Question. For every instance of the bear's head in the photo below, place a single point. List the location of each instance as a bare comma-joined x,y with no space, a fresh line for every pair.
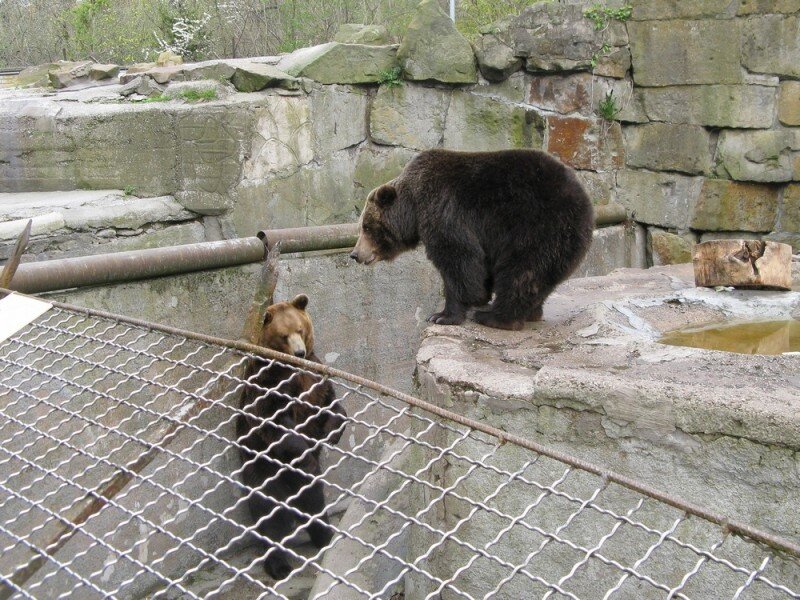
288,329
388,226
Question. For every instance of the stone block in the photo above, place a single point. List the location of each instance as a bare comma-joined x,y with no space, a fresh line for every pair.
329,191
409,115
685,52
99,72
756,7
257,76
477,123
43,159
340,63
789,215
124,212
599,186
677,9
668,248
582,93
771,44
433,49
663,199
586,143
611,249
217,70
496,58
668,147
558,37
740,106
338,118
358,33
731,206
168,58
282,139
68,72
514,89
766,156
213,142
789,103
35,76
125,146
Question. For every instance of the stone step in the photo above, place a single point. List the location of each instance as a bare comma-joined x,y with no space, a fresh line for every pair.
80,222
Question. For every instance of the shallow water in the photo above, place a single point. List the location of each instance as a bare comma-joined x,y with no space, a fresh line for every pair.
753,337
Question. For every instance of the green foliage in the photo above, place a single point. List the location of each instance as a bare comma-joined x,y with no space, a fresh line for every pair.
474,15
195,95
391,77
601,15
129,190
604,49
608,108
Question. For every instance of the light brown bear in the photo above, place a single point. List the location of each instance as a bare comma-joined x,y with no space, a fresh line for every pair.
290,409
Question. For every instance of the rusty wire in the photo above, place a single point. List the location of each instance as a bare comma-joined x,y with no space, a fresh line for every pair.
120,476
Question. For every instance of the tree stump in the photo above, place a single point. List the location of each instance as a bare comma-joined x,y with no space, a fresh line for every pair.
751,264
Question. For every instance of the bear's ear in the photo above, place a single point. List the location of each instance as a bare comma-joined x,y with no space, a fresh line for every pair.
300,301
385,195
268,318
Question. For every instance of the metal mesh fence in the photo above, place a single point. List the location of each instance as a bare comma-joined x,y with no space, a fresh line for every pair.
121,475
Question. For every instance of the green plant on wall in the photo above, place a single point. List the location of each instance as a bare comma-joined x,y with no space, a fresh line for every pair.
601,15
390,77
608,107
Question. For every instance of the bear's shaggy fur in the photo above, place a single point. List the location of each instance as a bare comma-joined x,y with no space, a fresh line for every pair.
281,426
514,223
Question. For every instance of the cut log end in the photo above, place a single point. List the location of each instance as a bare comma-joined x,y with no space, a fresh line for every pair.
749,264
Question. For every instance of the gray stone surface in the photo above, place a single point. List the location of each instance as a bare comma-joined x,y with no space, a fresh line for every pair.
590,380
582,93
496,56
433,49
409,115
340,63
771,44
732,206
257,76
668,147
644,10
482,123
740,106
358,33
338,118
767,156
669,248
789,103
557,37
684,52
662,199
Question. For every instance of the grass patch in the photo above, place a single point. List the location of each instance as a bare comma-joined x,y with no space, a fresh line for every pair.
195,95
601,14
391,77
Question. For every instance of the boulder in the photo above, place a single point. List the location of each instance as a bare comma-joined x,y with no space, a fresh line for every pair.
213,69
767,156
358,33
558,37
668,248
99,72
67,73
36,76
433,49
340,63
169,58
496,58
256,76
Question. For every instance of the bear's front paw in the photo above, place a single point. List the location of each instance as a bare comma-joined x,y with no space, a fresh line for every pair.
446,318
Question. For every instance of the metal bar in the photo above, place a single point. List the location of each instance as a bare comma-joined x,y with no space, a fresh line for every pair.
13,263
65,273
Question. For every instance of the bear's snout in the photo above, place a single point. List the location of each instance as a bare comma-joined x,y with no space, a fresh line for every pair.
354,255
300,353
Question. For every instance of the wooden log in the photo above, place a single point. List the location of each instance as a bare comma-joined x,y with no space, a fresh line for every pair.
750,264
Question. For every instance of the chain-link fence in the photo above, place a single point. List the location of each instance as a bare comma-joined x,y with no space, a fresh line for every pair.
121,475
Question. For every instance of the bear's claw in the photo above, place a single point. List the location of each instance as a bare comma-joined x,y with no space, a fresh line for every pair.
444,318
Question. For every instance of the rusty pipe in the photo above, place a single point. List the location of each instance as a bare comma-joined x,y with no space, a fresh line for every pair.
102,269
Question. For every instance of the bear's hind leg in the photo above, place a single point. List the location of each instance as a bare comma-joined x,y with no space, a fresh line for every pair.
276,528
466,280
312,502
519,298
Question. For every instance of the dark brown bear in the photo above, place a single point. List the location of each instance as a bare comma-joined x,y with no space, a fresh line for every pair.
286,428
514,223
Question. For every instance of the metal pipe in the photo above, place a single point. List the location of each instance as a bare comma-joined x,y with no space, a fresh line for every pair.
65,273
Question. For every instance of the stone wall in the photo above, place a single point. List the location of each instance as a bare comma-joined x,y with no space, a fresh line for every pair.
704,141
